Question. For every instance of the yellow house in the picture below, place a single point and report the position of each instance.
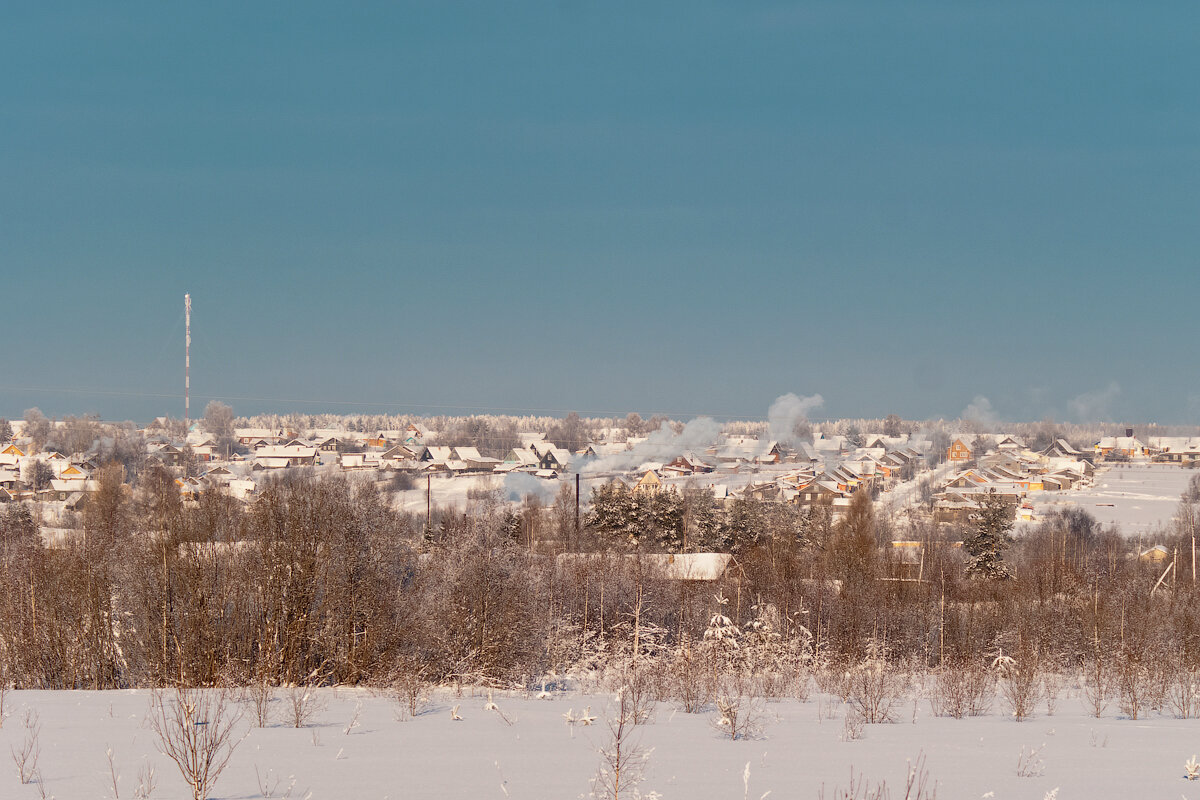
(1155, 555)
(72, 473)
(958, 451)
(649, 484)
(12, 450)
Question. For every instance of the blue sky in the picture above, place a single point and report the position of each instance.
(690, 207)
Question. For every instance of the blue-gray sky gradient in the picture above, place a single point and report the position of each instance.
(686, 207)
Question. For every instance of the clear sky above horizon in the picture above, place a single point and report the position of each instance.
(607, 207)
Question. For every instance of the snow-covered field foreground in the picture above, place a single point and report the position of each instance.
(526, 749)
(1138, 498)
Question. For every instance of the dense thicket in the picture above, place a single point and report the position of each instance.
(321, 581)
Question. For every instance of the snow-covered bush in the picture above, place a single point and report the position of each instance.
(875, 688)
(301, 705)
(962, 688)
(738, 717)
(1020, 680)
(688, 678)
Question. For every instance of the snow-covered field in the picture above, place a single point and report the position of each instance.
(1137, 498)
(535, 754)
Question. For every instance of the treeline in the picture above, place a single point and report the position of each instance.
(321, 582)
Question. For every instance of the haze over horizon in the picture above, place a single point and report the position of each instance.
(930, 210)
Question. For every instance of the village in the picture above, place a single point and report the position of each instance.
(928, 474)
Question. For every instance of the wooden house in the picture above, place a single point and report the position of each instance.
(959, 451)
(649, 483)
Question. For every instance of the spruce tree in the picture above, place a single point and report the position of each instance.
(989, 536)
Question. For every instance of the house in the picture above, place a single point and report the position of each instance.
(768, 491)
(1176, 449)
(554, 458)
(1061, 448)
(1127, 446)
(954, 507)
(9, 478)
(72, 472)
(958, 451)
(436, 454)
(820, 492)
(351, 461)
(296, 455)
(169, 455)
(379, 440)
(473, 461)
(415, 434)
(249, 436)
(270, 462)
(217, 476)
(330, 444)
(683, 567)
(11, 455)
(1155, 555)
(518, 459)
(399, 457)
(692, 463)
(650, 483)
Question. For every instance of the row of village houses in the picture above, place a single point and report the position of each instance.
(827, 471)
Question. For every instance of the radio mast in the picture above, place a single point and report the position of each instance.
(187, 360)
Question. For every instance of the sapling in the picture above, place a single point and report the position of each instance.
(26, 756)
(623, 761)
(353, 723)
(1030, 763)
(195, 729)
(302, 705)
(738, 717)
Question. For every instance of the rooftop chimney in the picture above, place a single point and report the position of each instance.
(1129, 433)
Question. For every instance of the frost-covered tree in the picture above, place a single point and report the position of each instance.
(38, 474)
(989, 536)
(570, 434)
(6, 432)
(614, 512)
(662, 520)
(218, 420)
(702, 520)
(891, 425)
(37, 428)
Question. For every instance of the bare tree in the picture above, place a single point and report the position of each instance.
(623, 761)
(195, 729)
(26, 755)
(218, 420)
(37, 428)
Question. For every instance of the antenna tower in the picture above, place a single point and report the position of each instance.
(187, 359)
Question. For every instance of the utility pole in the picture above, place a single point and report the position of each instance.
(576, 509)
(187, 361)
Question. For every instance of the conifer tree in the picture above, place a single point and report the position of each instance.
(989, 536)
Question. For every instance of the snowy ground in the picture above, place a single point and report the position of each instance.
(539, 756)
(1137, 498)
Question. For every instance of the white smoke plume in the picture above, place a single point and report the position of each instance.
(1095, 406)
(980, 410)
(785, 413)
(661, 446)
(518, 485)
